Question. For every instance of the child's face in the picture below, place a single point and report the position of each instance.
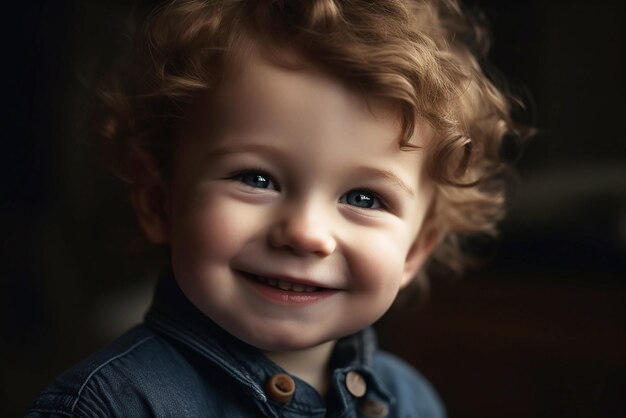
(304, 189)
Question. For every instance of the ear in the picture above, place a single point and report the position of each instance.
(421, 249)
(152, 207)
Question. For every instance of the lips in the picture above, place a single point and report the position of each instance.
(287, 291)
(285, 284)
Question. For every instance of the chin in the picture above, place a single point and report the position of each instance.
(284, 341)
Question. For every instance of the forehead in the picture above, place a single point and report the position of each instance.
(305, 96)
(303, 102)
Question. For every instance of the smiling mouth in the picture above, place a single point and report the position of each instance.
(285, 292)
(284, 284)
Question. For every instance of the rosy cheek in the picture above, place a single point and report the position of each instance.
(221, 227)
(375, 263)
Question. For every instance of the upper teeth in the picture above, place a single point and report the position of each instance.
(285, 285)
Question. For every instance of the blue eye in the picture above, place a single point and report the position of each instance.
(361, 199)
(256, 179)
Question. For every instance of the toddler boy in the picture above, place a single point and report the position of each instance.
(302, 160)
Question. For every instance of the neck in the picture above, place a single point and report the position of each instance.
(310, 364)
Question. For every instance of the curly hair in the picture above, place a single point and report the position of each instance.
(423, 56)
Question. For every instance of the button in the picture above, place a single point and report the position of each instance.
(372, 408)
(355, 384)
(280, 387)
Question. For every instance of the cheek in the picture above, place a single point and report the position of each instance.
(213, 231)
(377, 264)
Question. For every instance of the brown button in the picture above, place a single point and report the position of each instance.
(280, 387)
(355, 384)
(372, 408)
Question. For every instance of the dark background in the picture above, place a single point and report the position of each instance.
(538, 332)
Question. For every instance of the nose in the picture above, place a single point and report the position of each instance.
(303, 229)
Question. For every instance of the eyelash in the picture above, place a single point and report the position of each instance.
(383, 206)
(238, 176)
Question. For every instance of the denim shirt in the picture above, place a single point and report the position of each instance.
(180, 364)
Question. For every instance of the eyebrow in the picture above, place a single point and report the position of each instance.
(388, 176)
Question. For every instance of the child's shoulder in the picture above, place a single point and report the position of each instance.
(127, 375)
(414, 395)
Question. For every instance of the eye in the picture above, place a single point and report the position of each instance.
(257, 179)
(362, 199)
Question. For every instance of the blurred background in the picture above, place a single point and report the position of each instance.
(539, 331)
